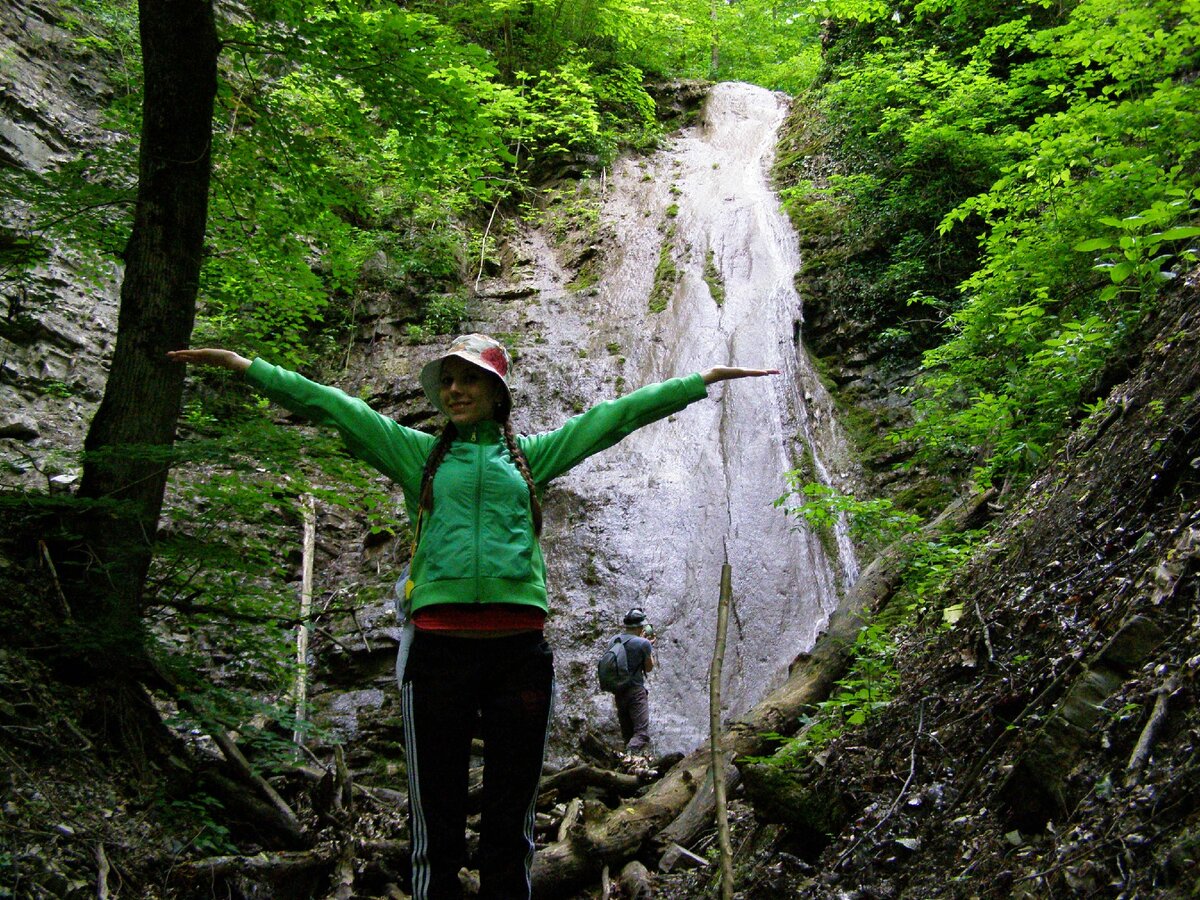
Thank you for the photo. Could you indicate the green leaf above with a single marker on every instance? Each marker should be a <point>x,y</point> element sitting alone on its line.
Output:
<point>1176,234</point>
<point>1120,272</point>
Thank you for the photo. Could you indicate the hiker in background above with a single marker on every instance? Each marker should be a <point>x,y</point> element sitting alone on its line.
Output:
<point>476,591</point>
<point>633,700</point>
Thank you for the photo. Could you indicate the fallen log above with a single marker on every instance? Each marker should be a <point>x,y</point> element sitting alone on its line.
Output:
<point>611,837</point>
<point>261,865</point>
<point>389,851</point>
<point>342,814</point>
<point>573,781</point>
<point>275,830</point>
<point>698,814</point>
<point>383,796</point>
<point>343,874</point>
<point>635,882</point>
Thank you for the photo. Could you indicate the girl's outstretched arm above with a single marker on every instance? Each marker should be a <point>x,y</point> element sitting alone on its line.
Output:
<point>226,359</point>
<point>554,452</point>
<point>390,447</point>
<point>724,373</point>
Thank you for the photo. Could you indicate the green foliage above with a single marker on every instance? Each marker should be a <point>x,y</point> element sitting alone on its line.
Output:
<point>81,209</point>
<point>713,278</point>
<point>866,688</point>
<point>111,27</point>
<point>1025,173</point>
<point>201,815</point>
<point>928,561</point>
<point>663,36</point>
<point>221,587</point>
<point>768,42</point>
<point>339,144</point>
<point>931,563</point>
<point>1132,258</point>
<point>627,113</point>
<point>558,114</point>
<point>55,388</point>
<point>567,213</point>
<point>871,523</point>
<point>444,313</point>
<point>666,274</point>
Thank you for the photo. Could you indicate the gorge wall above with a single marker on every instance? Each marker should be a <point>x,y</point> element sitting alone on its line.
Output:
<point>649,522</point>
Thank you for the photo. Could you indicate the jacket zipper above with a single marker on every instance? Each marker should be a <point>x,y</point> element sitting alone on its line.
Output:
<point>478,518</point>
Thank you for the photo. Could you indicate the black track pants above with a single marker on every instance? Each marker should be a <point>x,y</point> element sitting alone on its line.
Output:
<point>454,688</point>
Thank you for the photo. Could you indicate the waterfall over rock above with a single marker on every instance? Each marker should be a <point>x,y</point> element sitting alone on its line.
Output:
<point>650,521</point>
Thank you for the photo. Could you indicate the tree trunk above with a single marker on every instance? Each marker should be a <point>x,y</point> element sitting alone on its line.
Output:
<point>126,460</point>
<point>714,713</point>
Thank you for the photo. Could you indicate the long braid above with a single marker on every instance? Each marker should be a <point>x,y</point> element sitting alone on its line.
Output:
<point>440,449</point>
<point>522,464</point>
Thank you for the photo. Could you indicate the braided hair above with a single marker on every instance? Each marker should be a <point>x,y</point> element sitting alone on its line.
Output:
<point>442,447</point>
<point>522,464</point>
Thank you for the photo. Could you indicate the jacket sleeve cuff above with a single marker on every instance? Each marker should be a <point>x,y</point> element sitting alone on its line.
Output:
<point>259,372</point>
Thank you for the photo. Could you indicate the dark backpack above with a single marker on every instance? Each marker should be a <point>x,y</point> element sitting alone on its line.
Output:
<point>612,669</point>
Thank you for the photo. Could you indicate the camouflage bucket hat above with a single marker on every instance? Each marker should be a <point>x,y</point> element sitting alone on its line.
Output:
<point>478,349</point>
<point>636,616</point>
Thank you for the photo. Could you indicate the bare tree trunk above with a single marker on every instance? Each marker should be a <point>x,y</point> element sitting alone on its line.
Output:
<point>126,462</point>
<point>715,60</point>
<point>714,715</point>
<point>302,630</point>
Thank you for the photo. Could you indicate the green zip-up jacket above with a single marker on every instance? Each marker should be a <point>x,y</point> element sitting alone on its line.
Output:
<point>478,546</point>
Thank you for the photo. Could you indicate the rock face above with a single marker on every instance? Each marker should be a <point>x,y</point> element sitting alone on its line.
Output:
<point>649,522</point>
<point>60,314</point>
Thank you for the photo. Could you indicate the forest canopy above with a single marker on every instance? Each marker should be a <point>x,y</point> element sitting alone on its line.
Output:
<point>991,159</point>
<point>1025,177</point>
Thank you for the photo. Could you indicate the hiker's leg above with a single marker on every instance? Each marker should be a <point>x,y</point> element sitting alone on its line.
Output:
<point>637,707</point>
<point>518,700</point>
<point>623,717</point>
<point>439,711</point>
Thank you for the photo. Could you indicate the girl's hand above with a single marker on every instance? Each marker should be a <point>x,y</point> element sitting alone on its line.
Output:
<point>225,359</point>
<point>724,373</point>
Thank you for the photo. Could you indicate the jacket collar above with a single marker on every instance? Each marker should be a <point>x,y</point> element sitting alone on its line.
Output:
<point>485,432</point>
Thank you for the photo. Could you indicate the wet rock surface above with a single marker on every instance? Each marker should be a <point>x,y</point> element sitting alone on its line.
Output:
<point>647,523</point>
<point>60,314</point>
